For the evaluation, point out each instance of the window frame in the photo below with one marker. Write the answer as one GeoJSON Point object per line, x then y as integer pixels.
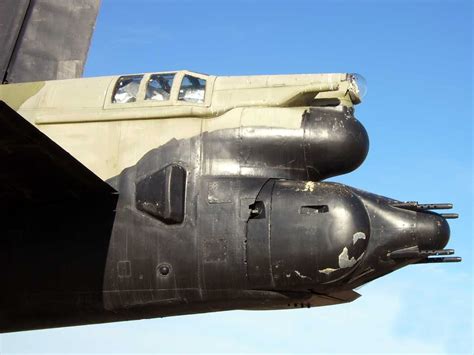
{"type": "Point", "coordinates": [173, 100]}
{"type": "Point", "coordinates": [190, 101]}
{"type": "Point", "coordinates": [114, 89]}
{"type": "Point", "coordinates": [148, 77]}
{"type": "Point", "coordinates": [208, 89]}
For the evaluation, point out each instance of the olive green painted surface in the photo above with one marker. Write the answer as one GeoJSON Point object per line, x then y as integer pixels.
{"type": "Point", "coordinates": [16, 95]}
{"type": "Point", "coordinates": [107, 137]}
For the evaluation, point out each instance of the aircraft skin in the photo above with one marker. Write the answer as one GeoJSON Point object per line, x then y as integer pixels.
{"type": "Point", "coordinates": [159, 194]}
{"type": "Point", "coordinates": [216, 205]}
{"type": "Point", "coordinates": [79, 114]}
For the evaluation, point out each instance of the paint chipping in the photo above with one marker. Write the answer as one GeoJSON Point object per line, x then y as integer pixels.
{"type": "Point", "coordinates": [357, 236]}
{"type": "Point", "coordinates": [302, 276]}
{"type": "Point", "coordinates": [308, 186]}
{"type": "Point", "coordinates": [327, 271]}
{"type": "Point", "coordinates": [299, 274]}
{"type": "Point", "coordinates": [344, 260]}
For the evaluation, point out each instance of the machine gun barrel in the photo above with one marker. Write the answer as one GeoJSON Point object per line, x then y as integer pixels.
{"type": "Point", "coordinates": [414, 252]}
{"type": "Point", "coordinates": [435, 206]}
{"type": "Point", "coordinates": [415, 206]}
{"type": "Point", "coordinates": [447, 259]}
{"type": "Point", "coordinates": [436, 252]}
{"type": "Point", "coordinates": [449, 215]}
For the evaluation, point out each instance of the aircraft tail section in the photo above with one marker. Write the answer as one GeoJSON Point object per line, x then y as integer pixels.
{"type": "Point", "coordinates": [45, 39]}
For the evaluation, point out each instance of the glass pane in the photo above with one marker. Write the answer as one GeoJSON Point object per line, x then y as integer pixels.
{"type": "Point", "coordinates": [159, 87]}
{"type": "Point", "coordinates": [192, 89]}
{"type": "Point", "coordinates": [126, 89]}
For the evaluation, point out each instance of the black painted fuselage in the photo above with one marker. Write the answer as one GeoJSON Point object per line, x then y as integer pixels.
{"type": "Point", "coordinates": [230, 219]}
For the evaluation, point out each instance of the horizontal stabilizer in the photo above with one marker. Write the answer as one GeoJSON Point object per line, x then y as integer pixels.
{"type": "Point", "coordinates": [35, 170]}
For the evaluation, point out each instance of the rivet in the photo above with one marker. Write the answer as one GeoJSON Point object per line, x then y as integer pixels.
{"type": "Point", "coordinates": [164, 269]}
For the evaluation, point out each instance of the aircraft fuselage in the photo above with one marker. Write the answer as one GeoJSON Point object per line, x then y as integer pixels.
{"type": "Point", "coordinates": [219, 203]}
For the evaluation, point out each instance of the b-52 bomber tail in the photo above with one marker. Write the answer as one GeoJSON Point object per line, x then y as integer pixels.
{"type": "Point", "coordinates": [178, 193]}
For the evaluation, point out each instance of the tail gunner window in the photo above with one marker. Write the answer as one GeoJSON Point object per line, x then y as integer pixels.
{"type": "Point", "coordinates": [159, 87]}
{"type": "Point", "coordinates": [192, 89]}
{"type": "Point", "coordinates": [126, 89]}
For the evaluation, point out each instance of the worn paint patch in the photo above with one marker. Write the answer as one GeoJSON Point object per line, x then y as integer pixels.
{"type": "Point", "coordinates": [357, 236]}
{"type": "Point", "coordinates": [308, 186]}
{"type": "Point", "coordinates": [299, 274]}
{"type": "Point", "coordinates": [327, 271]}
{"type": "Point", "coordinates": [344, 261]}
{"type": "Point", "coordinates": [302, 276]}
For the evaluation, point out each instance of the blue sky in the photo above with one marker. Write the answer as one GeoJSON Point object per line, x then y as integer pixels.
{"type": "Point", "coordinates": [417, 58]}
